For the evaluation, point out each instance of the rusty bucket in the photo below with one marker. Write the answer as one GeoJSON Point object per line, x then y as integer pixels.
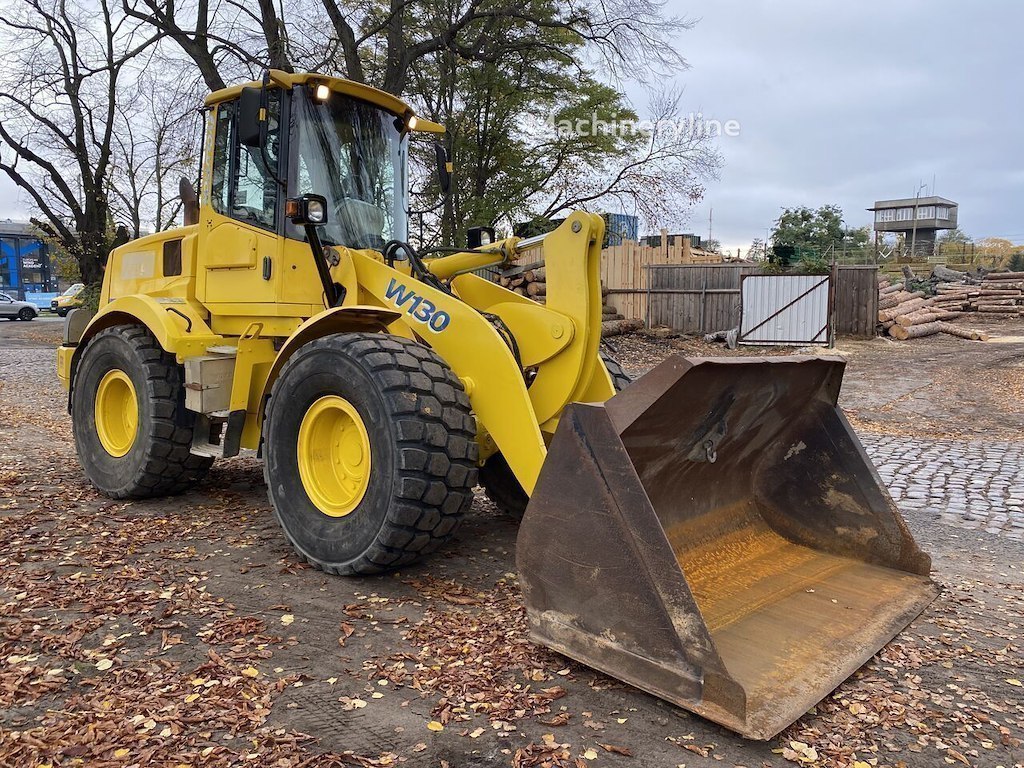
{"type": "Point", "coordinates": [716, 536]}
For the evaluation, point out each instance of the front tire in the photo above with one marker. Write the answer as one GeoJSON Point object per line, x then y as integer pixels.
{"type": "Point", "coordinates": [132, 431]}
{"type": "Point", "coordinates": [26, 314]}
{"type": "Point", "coordinates": [370, 452]}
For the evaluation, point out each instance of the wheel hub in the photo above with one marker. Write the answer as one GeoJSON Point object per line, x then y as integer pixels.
{"type": "Point", "coordinates": [334, 455]}
{"type": "Point", "coordinates": [117, 413]}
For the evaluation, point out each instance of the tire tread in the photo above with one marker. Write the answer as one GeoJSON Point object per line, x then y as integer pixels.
{"type": "Point", "coordinates": [434, 427]}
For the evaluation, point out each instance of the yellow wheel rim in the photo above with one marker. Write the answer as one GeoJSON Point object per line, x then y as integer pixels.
{"type": "Point", "coordinates": [117, 413]}
{"type": "Point", "coordinates": [334, 455]}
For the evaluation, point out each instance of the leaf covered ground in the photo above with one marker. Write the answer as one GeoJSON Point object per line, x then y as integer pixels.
{"type": "Point", "coordinates": [183, 632]}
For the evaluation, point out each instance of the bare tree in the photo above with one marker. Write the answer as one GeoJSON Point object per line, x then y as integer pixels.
{"type": "Point", "coordinates": [659, 174]}
{"type": "Point", "coordinates": [58, 115]}
{"type": "Point", "coordinates": [156, 143]}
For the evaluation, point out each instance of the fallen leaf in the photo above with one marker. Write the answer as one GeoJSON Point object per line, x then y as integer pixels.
{"type": "Point", "coordinates": [251, 672]}
{"type": "Point", "coordinates": [287, 618]}
{"type": "Point", "coordinates": [1014, 681]}
{"type": "Point", "coordinates": [476, 733]}
{"type": "Point", "coordinates": [104, 664]}
{"type": "Point", "coordinates": [562, 718]}
{"type": "Point", "coordinates": [617, 750]}
{"type": "Point", "coordinates": [346, 632]}
{"type": "Point", "coordinates": [590, 754]}
{"type": "Point", "coordinates": [433, 725]}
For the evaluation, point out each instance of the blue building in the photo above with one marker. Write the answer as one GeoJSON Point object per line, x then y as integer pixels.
{"type": "Point", "coordinates": [25, 263]}
{"type": "Point", "coordinates": [619, 227]}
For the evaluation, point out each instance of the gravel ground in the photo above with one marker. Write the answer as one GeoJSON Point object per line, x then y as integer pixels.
{"type": "Point", "coordinates": [184, 631]}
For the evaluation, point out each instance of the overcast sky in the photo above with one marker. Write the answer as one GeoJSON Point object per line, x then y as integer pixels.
{"type": "Point", "coordinates": [847, 103]}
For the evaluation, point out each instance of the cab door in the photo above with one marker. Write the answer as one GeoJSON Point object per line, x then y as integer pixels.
{"type": "Point", "coordinates": [239, 228]}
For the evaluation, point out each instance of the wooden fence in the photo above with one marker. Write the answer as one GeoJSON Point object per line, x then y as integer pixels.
{"type": "Point", "coordinates": [702, 298]}
{"type": "Point", "coordinates": [856, 304]}
{"type": "Point", "coordinates": [624, 270]}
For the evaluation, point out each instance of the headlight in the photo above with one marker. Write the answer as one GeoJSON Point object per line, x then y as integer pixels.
{"type": "Point", "coordinates": [322, 93]}
{"type": "Point", "coordinates": [316, 213]}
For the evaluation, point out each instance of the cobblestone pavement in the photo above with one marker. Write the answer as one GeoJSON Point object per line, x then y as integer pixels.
{"type": "Point", "coordinates": [966, 484]}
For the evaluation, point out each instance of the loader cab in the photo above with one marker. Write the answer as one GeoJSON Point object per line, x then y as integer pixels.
{"type": "Point", "coordinates": [323, 136]}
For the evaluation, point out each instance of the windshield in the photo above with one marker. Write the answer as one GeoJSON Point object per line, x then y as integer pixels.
{"type": "Point", "coordinates": [352, 153]}
{"type": "Point", "coordinates": [73, 289]}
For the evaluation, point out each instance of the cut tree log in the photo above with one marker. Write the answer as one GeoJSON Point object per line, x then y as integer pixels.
{"type": "Point", "coordinates": [945, 273]}
{"type": "Point", "coordinates": [888, 302]}
{"type": "Point", "coordinates": [616, 327]}
{"type": "Point", "coordinates": [926, 315]}
{"type": "Point", "coordinates": [915, 331]}
{"type": "Point", "coordinates": [1005, 276]}
{"type": "Point", "coordinates": [963, 333]}
{"type": "Point", "coordinates": [536, 275]}
{"type": "Point", "coordinates": [537, 289]}
{"type": "Point", "coordinates": [902, 309]}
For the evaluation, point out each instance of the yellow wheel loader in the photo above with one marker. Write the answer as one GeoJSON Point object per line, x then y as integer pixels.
{"type": "Point", "coordinates": [714, 534]}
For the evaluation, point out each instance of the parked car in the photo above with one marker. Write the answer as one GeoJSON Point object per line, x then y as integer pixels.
{"type": "Point", "coordinates": [13, 309]}
{"type": "Point", "coordinates": [68, 300]}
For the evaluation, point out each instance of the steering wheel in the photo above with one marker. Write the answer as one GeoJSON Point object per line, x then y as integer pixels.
{"type": "Point", "coordinates": [360, 222]}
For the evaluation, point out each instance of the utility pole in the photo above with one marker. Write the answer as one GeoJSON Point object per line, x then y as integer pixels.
{"type": "Point", "coordinates": [913, 230]}
{"type": "Point", "coordinates": [710, 212]}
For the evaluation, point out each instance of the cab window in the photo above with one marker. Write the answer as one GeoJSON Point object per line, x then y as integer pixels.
{"type": "Point", "coordinates": [243, 186]}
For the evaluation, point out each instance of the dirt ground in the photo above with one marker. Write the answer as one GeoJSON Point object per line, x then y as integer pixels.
{"type": "Point", "coordinates": [183, 631]}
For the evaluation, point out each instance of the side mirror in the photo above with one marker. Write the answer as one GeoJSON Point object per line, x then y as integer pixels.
{"type": "Point", "coordinates": [308, 210]}
{"type": "Point", "coordinates": [444, 168]}
{"type": "Point", "coordinates": [251, 116]}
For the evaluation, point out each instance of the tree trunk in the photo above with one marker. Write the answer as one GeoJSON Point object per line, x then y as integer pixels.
{"type": "Point", "coordinates": [963, 333]}
{"type": "Point", "coordinates": [902, 309]}
{"type": "Point", "coordinates": [616, 327]}
{"type": "Point", "coordinates": [925, 315]}
{"type": "Point", "coordinates": [915, 332]}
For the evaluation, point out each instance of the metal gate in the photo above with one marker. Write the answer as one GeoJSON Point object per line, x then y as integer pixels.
{"type": "Point", "coordinates": [786, 309]}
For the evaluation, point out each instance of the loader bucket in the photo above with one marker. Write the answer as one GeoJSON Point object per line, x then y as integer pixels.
{"type": "Point", "coordinates": [715, 535]}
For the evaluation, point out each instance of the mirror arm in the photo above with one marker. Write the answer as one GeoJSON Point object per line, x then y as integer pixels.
{"type": "Point", "coordinates": [317, 247]}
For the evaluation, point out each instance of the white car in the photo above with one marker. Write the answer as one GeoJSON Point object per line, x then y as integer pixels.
{"type": "Point", "coordinates": [13, 309]}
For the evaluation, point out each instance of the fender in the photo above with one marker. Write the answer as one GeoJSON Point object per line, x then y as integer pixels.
{"type": "Point", "coordinates": [177, 325]}
{"type": "Point", "coordinates": [357, 317]}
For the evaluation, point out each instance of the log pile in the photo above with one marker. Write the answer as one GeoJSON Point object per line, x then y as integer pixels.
{"type": "Point", "coordinates": [530, 280]}
{"type": "Point", "coordinates": [912, 314]}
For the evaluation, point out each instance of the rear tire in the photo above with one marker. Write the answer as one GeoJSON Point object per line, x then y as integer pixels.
{"type": "Point", "coordinates": [153, 458]}
{"type": "Point", "coordinates": [397, 490]}
{"type": "Point", "coordinates": [496, 477]}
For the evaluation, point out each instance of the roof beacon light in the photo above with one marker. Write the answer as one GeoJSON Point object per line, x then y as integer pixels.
{"type": "Point", "coordinates": [412, 122]}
